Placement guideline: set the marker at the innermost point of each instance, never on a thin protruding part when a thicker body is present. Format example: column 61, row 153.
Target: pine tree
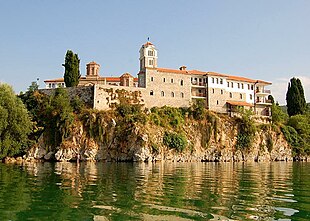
column 295, row 99
column 72, row 71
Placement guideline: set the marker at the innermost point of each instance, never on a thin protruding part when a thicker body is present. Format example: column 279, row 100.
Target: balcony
column 263, row 101
column 198, row 95
column 262, row 92
column 198, row 84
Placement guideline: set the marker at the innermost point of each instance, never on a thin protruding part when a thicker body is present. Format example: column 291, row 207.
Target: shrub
column 198, row 109
column 167, row 117
column 175, row 141
column 246, row 130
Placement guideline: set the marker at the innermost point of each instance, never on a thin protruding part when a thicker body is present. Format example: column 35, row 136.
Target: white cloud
column 279, row 88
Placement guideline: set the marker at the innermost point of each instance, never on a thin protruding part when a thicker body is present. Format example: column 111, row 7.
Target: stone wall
column 167, row 89
column 85, row 93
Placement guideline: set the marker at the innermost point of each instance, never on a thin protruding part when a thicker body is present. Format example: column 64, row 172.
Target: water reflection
column 161, row 191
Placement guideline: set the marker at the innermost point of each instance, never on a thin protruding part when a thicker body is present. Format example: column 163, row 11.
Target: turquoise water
column 161, row 191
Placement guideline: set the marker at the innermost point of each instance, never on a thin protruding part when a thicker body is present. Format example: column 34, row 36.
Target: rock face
column 145, row 143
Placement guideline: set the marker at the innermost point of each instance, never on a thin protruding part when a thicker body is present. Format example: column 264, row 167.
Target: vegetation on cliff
column 295, row 123
column 58, row 119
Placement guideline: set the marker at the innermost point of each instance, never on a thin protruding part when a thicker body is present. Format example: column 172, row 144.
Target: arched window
column 162, row 94
column 152, row 79
column 164, row 79
column 151, row 92
column 181, row 82
column 182, row 95
column 240, row 96
column 172, row 94
column 217, row 102
column 222, row 92
column 230, row 95
column 171, row 80
column 150, row 53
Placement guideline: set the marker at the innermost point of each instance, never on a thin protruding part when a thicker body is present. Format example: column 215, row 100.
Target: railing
column 264, row 101
column 263, row 91
column 198, row 83
column 199, row 95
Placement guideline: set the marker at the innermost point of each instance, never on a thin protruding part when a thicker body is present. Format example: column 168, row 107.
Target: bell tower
column 148, row 56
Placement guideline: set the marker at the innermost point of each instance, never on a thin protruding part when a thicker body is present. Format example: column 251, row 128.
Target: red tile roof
column 108, row 79
column 55, row 80
column 197, row 72
column 148, row 43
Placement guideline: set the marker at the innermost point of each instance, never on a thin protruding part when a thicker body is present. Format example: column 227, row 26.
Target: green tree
column 15, row 123
column 295, row 99
column 58, row 118
column 246, row 129
column 271, row 98
column 278, row 115
column 72, row 69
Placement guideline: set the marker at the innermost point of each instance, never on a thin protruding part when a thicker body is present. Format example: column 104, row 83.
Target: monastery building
column 221, row 93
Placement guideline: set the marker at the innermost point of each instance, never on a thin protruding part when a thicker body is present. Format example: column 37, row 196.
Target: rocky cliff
column 206, row 140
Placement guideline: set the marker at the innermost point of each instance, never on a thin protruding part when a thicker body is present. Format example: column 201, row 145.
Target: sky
column 265, row 39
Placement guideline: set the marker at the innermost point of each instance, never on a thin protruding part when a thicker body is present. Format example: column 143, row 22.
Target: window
column 181, row 82
column 232, row 84
column 162, row 94
column 248, row 86
column 230, row 95
column 152, row 79
column 227, row 84
column 240, row 96
column 221, row 91
column 151, row 92
column 164, row 79
column 252, row 87
column 242, row 86
column 251, row 96
column 217, row 102
column 221, row 81
column 213, row 80
column 238, row 84
column 182, row 95
column 213, row 90
column 150, row 53
column 172, row 94
column 150, row 62
column 171, row 80
column 217, row 80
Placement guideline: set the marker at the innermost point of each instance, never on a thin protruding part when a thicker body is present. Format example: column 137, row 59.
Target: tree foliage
column 72, row 69
column 58, row 118
column 278, row 115
column 295, row 98
column 175, row 141
column 15, row 124
column 246, row 130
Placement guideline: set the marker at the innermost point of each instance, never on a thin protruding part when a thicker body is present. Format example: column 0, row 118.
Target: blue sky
column 268, row 40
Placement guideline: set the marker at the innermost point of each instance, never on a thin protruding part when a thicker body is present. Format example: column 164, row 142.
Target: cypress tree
column 302, row 96
column 72, row 69
column 295, row 99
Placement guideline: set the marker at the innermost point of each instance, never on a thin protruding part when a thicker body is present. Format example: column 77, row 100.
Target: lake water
column 161, row 191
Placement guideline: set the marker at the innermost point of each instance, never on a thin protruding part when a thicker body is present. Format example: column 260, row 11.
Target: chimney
column 183, row 68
